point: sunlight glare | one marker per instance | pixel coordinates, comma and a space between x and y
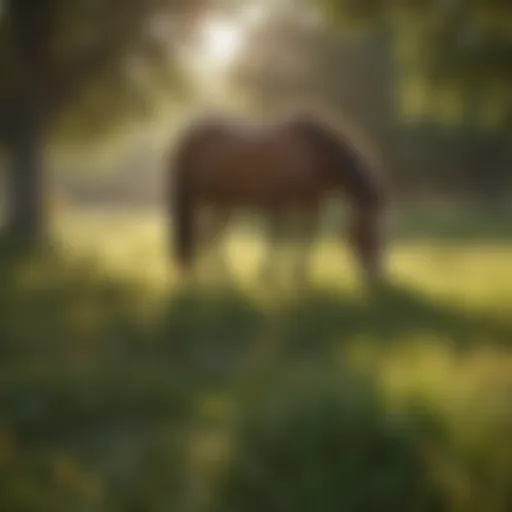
222, 41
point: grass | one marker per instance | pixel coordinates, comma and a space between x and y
122, 389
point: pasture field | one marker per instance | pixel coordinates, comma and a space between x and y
122, 389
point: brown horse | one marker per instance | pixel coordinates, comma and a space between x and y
287, 166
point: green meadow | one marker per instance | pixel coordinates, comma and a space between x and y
124, 389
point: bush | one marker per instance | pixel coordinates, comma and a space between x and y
316, 441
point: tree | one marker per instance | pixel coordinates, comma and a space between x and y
453, 50
454, 68
61, 58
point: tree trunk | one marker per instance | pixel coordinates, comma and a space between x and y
25, 181
32, 22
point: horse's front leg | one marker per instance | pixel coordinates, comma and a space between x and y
275, 231
366, 239
217, 222
305, 236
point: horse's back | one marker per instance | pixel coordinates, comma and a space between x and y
246, 161
294, 159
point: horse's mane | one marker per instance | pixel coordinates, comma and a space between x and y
364, 165
340, 126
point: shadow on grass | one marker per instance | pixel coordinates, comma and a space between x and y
391, 314
223, 325
100, 377
74, 350
55, 307
89, 417
467, 225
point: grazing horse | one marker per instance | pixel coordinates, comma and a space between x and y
281, 167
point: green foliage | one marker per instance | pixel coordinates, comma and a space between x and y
459, 44
320, 441
98, 61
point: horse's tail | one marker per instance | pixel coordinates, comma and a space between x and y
181, 206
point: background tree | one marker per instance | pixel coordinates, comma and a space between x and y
87, 60
455, 51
